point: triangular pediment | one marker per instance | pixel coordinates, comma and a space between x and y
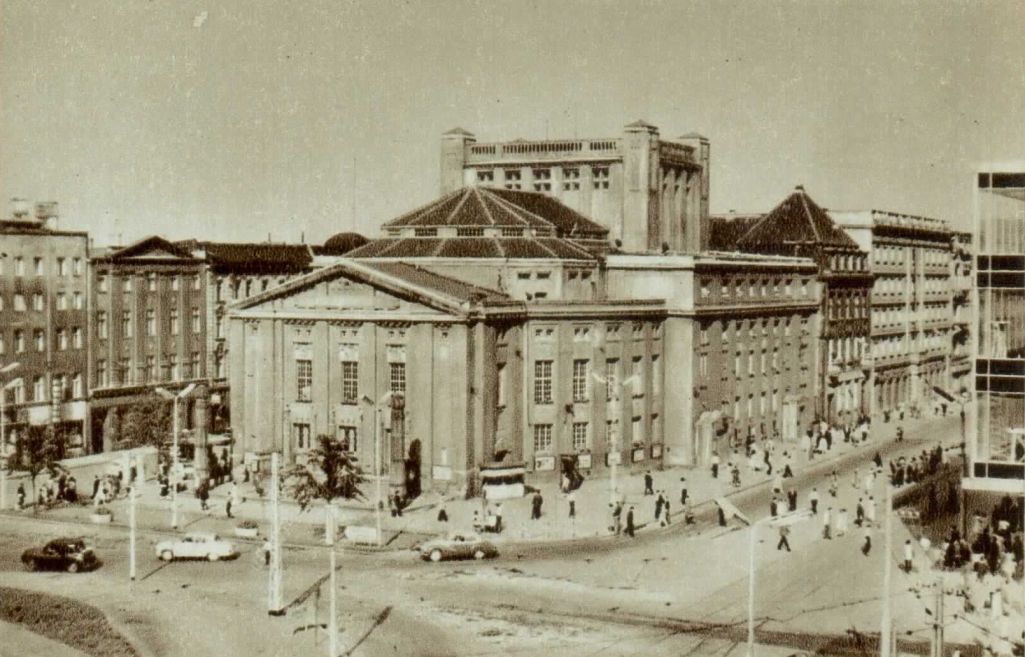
150, 248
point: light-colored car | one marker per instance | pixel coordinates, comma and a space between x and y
197, 546
458, 545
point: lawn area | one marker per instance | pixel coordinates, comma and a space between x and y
73, 623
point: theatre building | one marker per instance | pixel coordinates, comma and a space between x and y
441, 379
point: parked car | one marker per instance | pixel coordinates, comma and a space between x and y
70, 554
458, 545
196, 546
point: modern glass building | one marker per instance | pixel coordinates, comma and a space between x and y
996, 431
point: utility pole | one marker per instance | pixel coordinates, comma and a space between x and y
332, 621
753, 539
886, 622
274, 604
131, 532
939, 616
377, 472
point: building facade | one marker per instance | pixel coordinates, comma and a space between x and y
436, 380
158, 320
996, 429
651, 193
43, 323
799, 227
919, 278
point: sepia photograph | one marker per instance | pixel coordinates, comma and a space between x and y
469, 328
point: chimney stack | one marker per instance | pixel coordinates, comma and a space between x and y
47, 214
19, 209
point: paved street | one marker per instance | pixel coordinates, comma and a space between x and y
666, 592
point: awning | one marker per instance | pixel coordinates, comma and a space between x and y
943, 393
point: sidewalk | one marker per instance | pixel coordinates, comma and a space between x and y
593, 513
22, 642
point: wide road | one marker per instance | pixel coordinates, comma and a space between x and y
603, 596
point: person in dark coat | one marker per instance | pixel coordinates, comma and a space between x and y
96, 484
658, 506
535, 505
683, 493
784, 532
443, 514
866, 547
630, 522
649, 484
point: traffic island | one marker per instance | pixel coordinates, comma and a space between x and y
80, 626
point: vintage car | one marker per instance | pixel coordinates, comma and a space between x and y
458, 545
196, 546
70, 554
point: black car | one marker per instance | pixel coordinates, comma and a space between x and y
70, 554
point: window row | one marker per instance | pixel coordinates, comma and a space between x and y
151, 281
350, 380
752, 287
581, 440
64, 339
150, 322
64, 266
63, 387
581, 377
542, 181
148, 370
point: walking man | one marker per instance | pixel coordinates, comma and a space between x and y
572, 499
866, 547
826, 523
630, 522
715, 465
21, 496
266, 552
498, 517
784, 532
813, 499
909, 556
535, 504
683, 493
658, 506
617, 519
649, 483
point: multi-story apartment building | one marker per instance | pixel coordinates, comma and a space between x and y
914, 338
158, 320
996, 428
799, 227
43, 323
651, 193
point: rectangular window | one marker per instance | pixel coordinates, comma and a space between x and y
301, 435
600, 176
101, 283
174, 321
151, 368
151, 322
19, 341
19, 302
543, 382
397, 378
611, 435
62, 340
348, 438
39, 339
126, 284
76, 266
581, 436
512, 179
581, 374
195, 282
151, 283
656, 375
638, 431
76, 385
542, 437
542, 180
196, 325
39, 389
19, 266
37, 266
612, 378
485, 175
637, 375
501, 373
62, 301
570, 179
37, 302
78, 302
350, 381
62, 267
304, 380
194, 366
101, 323
126, 323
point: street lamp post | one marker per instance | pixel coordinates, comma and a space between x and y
787, 519
385, 399
174, 447
3, 432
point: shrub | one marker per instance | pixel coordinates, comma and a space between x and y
248, 524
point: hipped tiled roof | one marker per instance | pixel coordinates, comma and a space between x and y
439, 283
472, 247
798, 220
259, 255
485, 207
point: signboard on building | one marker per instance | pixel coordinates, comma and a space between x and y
638, 454
544, 463
656, 451
584, 461
442, 473
613, 458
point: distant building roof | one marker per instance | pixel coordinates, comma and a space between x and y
481, 207
458, 131
437, 282
253, 256
795, 221
33, 227
639, 123
340, 244
725, 230
472, 247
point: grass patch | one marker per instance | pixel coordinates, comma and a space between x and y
70, 622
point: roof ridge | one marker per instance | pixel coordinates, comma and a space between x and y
419, 210
547, 248
506, 202
484, 205
459, 205
808, 217
510, 211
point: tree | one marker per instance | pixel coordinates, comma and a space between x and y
38, 449
146, 423
328, 474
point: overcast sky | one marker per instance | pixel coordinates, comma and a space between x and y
238, 118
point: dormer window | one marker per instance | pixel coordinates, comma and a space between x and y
426, 232
570, 179
542, 180
512, 232
486, 175
512, 178
469, 232
601, 177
